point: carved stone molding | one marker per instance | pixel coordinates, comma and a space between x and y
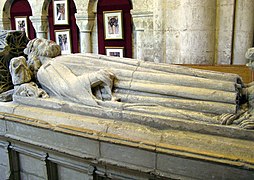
85, 24
138, 19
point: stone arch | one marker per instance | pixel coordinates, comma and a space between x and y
6, 8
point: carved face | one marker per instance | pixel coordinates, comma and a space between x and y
19, 70
42, 47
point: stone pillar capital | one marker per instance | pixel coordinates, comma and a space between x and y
40, 24
85, 22
138, 22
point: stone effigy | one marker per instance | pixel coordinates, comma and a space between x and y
127, 89
12, 44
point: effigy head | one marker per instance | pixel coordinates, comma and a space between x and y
19, 70
42, 47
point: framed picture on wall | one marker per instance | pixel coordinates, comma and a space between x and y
114, 51
21, 24
60, 11
113, 25
63, 39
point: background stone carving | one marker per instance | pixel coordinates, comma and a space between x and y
12, 44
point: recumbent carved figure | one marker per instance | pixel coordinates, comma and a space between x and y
143, 88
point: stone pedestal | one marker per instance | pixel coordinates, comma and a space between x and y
49, 143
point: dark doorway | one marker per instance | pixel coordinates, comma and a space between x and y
126, 42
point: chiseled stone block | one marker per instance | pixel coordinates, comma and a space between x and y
3, 170
2, 127
128, 155
3, 157
31, 166
183, 167
25, 176
50, 138
65, 173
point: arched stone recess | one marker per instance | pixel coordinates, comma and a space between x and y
10, 9
40, 17
125, 41
86, 19
5, 10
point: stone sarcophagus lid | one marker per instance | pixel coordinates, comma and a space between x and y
94, 117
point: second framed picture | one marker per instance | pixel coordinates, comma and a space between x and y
21, 24
60, 12
64, 40
114, 51
113, 25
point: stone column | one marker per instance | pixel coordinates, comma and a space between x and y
190, 31
5, 24
85, 24
158, 27
40, 24
224, 31
139, 31
244, 28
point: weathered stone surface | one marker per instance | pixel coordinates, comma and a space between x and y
133, 156
68, 173
48, 138
2, 127
31, 167
183, 168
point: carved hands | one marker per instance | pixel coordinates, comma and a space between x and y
101, 84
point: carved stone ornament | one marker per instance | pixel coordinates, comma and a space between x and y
12, 44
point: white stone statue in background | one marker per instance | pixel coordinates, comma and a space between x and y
132, 88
